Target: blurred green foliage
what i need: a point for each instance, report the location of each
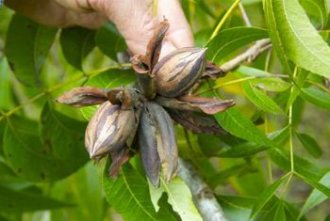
(274, 164)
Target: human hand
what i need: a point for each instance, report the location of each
(134, 19)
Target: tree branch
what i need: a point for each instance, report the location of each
(203, 196)
(249, 55)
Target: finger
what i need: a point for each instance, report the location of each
(179, 33)
(134, 21)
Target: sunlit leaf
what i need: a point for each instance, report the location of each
(236, 208)
(229, 40)
(260, 99)
(5, 85)
(129, 195)
(316, 197)
(237, 124)
(317, 10)
(179, 197)
(264, 80)
(301, 43)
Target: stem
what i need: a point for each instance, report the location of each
(244, 15)
(239, 81)
(290, 129)
(269, 162)
(224, 19)
(202, 194)
(249, 55)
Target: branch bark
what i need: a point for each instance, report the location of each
(249, 55)
(203, 196)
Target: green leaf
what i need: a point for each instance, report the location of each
(84, 188)
(27, 46)
(260, 99)
(316, 96)
(267, 194)
(242, 150)
(282, 160)
(2, 131)
(280, 212)
(299, 82)
(76, 43)
(18, 201)
(179, 196)
(316, 197)
(304, 169)
(314, 183)
(129, 195)
(222, 176)
(310, 144)
(108, 33)
(317, 10)
(237, 124)
(58, 153)
(236, 208)
(264, 80)
(270, 84)
(229, 40)
(65, 137)
(291, 30)
(6, 101)
(237, 201)
(275, 35)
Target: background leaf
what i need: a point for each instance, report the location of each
(266, 195)
(27, 46)
(12, 200)
(59, 153)
(310, 144)
(108, 33)
(76, 43)
(316, 96)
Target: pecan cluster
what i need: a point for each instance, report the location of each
(140, 116)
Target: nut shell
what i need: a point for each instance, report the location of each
(178, 71)
(109, 129)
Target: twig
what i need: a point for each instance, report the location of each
(244, 15)
(203, 196)
(249, 55)
(224, 19)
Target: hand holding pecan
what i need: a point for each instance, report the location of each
(143, 112)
